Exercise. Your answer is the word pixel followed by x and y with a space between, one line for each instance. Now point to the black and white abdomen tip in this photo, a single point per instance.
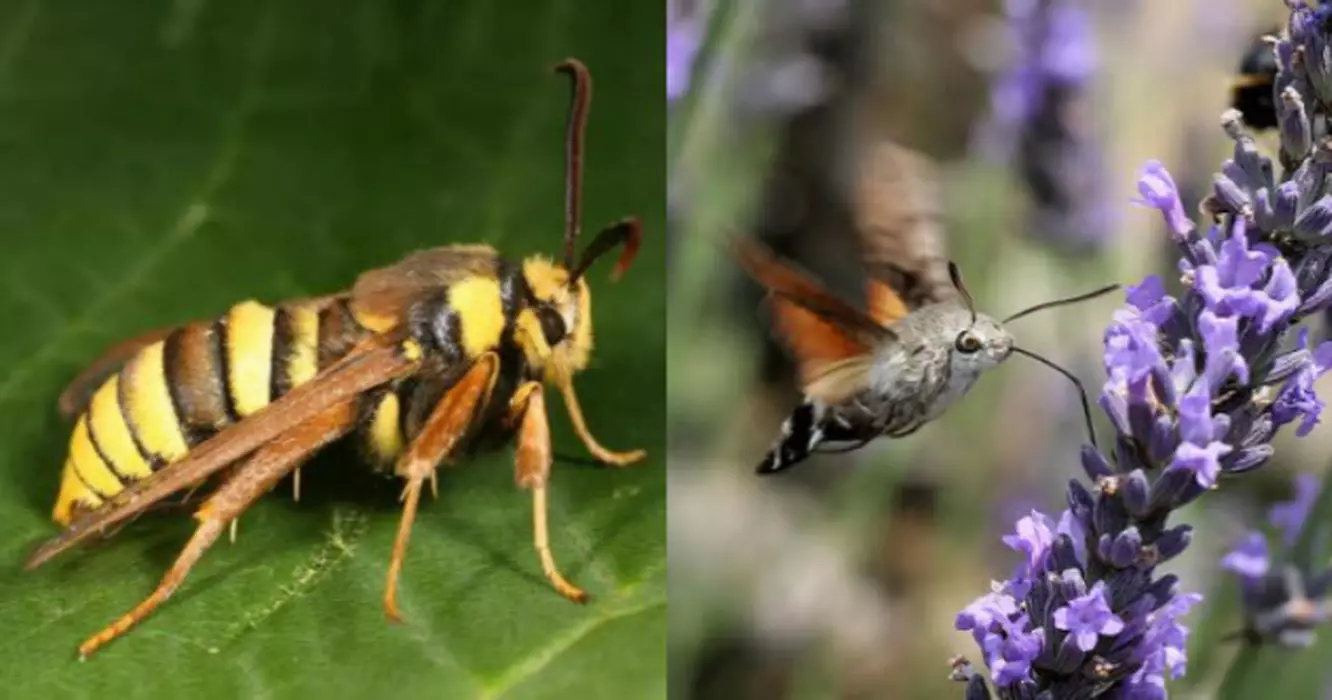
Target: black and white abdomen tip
pixel 801 433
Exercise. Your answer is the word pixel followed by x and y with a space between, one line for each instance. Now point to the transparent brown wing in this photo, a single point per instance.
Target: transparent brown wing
pixel 832 341
pixel 377 361
pixel 74 399
pixel 899 225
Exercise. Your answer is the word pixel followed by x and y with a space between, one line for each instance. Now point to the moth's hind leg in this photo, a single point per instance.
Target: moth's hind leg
pixel 528 409
pixel 252 479
pixel 444 428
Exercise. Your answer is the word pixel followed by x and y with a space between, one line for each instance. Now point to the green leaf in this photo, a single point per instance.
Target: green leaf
pixel 1268 671
pixel 163 160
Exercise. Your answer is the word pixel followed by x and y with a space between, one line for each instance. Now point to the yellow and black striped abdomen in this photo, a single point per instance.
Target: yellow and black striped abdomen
pixel 178 392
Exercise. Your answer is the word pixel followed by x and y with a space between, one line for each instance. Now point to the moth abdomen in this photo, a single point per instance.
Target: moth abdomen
pixel 175 393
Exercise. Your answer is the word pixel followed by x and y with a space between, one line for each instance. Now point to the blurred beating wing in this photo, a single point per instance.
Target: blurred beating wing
pixel 833 342
pixel 897 209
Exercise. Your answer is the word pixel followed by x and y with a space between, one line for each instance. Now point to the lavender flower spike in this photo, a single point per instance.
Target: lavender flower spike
pixel 1196 388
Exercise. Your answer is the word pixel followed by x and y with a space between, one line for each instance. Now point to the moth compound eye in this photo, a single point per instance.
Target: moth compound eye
pixel 552 325
pixel 967 342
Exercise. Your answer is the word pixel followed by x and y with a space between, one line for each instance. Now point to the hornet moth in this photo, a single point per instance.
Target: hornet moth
pixel 450 346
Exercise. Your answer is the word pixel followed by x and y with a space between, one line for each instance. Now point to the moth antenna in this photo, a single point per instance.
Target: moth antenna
pixel 580 98
pixel 627 232
pixel 955 275
pixel 1062 302
pixel 1082 392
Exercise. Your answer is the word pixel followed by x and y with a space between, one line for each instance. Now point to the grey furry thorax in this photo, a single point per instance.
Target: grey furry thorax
pixel 920 373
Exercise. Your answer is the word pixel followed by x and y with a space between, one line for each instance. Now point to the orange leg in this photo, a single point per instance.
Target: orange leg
pixel 443 429
pixel 618 459
pixel 533 472
pixel 245 485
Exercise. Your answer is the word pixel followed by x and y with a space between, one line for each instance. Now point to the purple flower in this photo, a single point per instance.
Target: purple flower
pixel 1162 649
pixel 1220 336
pixel 1229 283
pixel 1199 452
pixel 1166 638
pixel 1089 616
pixel 1249 561
pixel 1151 302
pixel 1252 281
pixel 1010 656
pixel 1159 192
pixel 1148 682
pixel 986 615
pixel 1003 633
pixel 684 35
pixel 1289 516
pixel 1297 399
pixel 1035 534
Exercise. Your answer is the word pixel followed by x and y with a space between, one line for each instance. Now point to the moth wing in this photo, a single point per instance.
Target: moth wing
pixel 79 391
pixel 380 298
pixel 375 362
pixel 900 230
pixel 840 380
pixel 827 335
pixel 74 399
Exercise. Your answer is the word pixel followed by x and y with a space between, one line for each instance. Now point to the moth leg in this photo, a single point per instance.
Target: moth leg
pixel 255 477
pixel 618 459
pixel 76 395
pixel 443 429
pixel 533 473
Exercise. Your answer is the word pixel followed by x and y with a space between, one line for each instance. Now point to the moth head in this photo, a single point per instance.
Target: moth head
pixel 561 313
pixel 980 341
pixel 981 344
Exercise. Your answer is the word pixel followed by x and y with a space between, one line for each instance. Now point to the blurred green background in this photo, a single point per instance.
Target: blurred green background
pixel 842 578
pixel 163 160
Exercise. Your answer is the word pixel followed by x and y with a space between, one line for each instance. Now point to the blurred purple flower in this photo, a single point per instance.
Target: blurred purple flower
pixel 1249 561
pixel 1289 516
pixel 684 35
pixel 1040 121
pixel 1196 388
pixel 1283 603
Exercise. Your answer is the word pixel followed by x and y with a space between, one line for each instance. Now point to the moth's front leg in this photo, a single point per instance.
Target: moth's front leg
pixel 602 454
pixel 528 409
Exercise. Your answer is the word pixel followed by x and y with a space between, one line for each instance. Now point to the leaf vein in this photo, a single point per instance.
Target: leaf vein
pixel 537 661
pixel 349 526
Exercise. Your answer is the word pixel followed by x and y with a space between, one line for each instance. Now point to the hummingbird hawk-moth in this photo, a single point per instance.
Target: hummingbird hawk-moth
pixel 914 348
